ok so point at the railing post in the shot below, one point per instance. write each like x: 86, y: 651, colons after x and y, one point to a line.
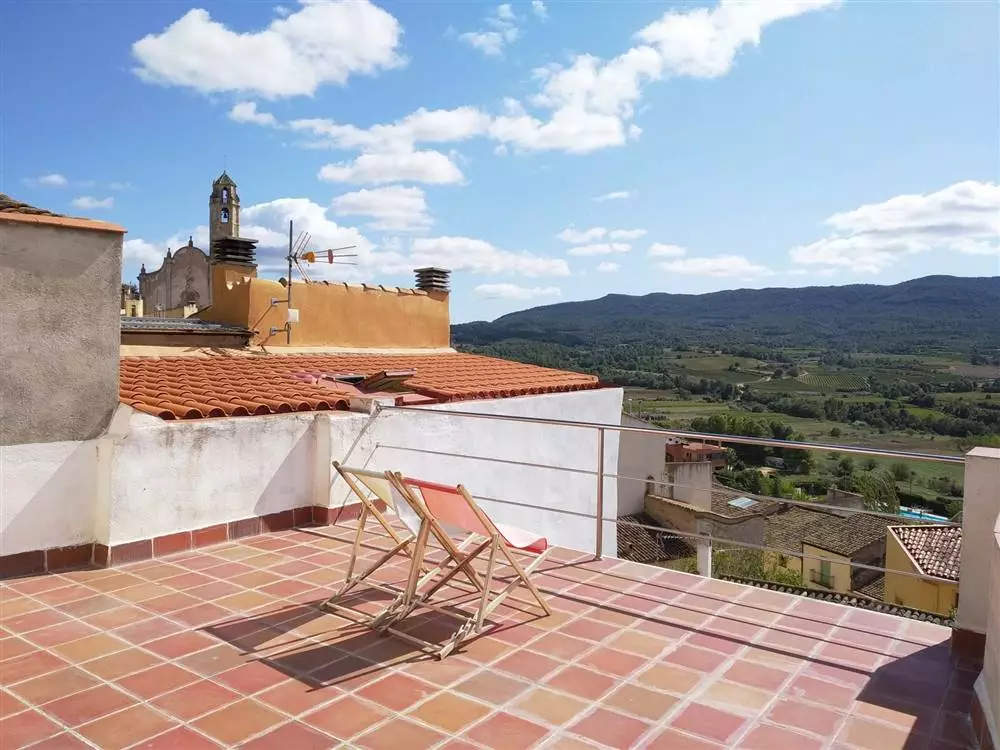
x: 599, y: 544
x: 704, y: 548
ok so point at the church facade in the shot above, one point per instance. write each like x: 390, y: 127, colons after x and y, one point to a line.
x: 183, y: 280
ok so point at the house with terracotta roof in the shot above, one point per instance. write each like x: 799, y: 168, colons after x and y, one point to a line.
x: 154, y: 443
x: 934, y: 551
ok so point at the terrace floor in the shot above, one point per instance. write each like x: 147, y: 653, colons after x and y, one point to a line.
x: 224, y: 647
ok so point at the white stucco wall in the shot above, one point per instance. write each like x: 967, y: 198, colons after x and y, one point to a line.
x: 162, y: 477
x: 179, y: 476
x: 48, y: 495
x: 980, y: 509
x: 452, y: 449
x: 641, y: 455
x: 988, y: 684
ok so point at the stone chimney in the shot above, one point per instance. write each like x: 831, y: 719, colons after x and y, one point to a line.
x: 433, y: 279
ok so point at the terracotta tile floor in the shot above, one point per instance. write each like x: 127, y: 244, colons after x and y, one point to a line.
x: 224, y: 647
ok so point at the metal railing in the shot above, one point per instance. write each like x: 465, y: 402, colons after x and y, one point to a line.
x: 700, y: 538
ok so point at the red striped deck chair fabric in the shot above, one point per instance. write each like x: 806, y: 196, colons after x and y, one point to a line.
x: 442, y: 507
x: 374, y: 489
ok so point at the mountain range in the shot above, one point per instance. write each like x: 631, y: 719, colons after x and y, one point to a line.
x: 933, y: 313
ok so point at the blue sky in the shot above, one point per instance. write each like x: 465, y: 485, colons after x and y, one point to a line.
x: 543, y: 151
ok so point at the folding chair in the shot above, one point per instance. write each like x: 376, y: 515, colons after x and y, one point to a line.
x: 372, y: 488
x: 439, y: 506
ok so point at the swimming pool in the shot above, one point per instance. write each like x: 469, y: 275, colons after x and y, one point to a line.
x: 919, y: 514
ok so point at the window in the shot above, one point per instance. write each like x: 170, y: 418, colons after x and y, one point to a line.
x: 225, y: 195
x: 224, y: 216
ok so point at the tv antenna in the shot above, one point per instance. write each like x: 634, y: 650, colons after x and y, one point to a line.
x: 299, y: 253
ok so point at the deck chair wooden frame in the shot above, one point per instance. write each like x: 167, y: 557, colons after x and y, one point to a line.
x: 360, y: 480
x: 421, y: 590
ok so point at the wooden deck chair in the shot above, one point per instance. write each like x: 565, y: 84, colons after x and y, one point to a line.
x: 372, y: 488
x: 441, y: 506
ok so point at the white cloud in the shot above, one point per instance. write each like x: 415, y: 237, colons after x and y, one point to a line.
x: 247, y: 112
x: 394, y: 208
x: 539, y: 9
x: 48, y: 180
x: 590, y: 101
x: 578, y: 236
x: 513, y: 291
x: 571, y: 234
x: 320, y: 43
x: 479, y: 256
x: 120, y: 185
x: 962, y: 218
x: 617, y: 195
x: 626, y: 234
x: 142, y: 252
x: 661, y: 250
x: 431, y: 167
x: 501, y: 30
x: 608, y: 267
x: 720, y: 266
x: 602, y: 248
x: 89, y: 203
x: 281, y: 10
x: 421, y: 126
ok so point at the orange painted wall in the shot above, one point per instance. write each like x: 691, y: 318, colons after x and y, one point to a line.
x: 230, y: 295
x: 335, y: 314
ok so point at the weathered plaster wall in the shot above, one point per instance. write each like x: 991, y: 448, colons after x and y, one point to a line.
x: 170, y: 476
x: 60, y: 296
x: 48, y: 495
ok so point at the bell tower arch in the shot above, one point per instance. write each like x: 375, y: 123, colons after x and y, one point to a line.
x: 223, y: 211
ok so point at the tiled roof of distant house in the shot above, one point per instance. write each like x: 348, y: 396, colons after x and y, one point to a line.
x: 841, y: 535
x: 846, y: 536
x: 17, y: 211
x: 198, y: 387
x: 10, y: 205
x: 937, y: 550
x: 179, y: 325
x: 722, y: 503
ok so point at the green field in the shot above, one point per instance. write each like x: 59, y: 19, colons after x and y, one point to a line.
x: 836, y: 381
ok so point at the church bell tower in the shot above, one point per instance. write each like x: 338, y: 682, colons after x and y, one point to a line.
x: 223, y: 211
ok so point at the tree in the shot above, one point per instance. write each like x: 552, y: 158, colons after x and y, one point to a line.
x: 870, y: 464
x: 835, y: 432
x: 900, y: 471
x: 879, y: 490
x: 845, y: 466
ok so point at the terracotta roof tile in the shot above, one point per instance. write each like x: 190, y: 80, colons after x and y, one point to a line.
x: 196, y: 387
x: 937, y: 550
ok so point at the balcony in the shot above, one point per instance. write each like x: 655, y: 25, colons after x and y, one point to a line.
x: 224, y: 646
x: 825, y: 580
x: 205, y: 629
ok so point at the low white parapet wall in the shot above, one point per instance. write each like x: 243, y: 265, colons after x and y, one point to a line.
x: 153, y: 484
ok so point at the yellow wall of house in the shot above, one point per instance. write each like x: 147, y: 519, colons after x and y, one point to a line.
x: 230, y: 295
x: 340, y: 315
x: 840, y: 569
x: 906, y: 591
x: 351, y: 316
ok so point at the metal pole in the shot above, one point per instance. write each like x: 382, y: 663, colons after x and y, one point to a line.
x: 599, y: 545
x: 288, y: 325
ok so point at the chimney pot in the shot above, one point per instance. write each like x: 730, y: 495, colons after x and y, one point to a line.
x: 432, y: 279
